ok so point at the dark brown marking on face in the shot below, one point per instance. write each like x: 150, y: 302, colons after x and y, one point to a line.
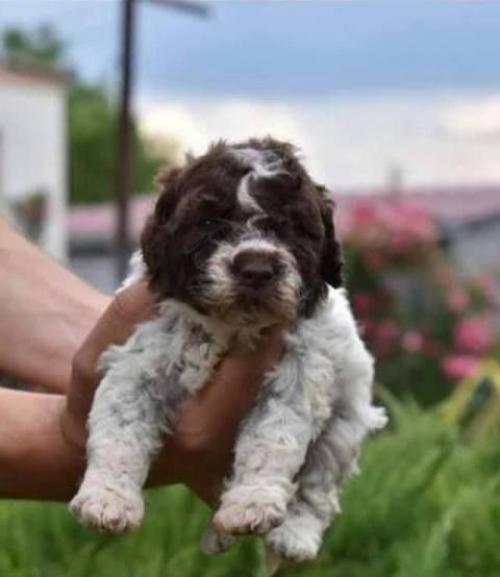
x: 198, y: 209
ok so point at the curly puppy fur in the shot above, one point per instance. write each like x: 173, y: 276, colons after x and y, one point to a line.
x: 241, y: 238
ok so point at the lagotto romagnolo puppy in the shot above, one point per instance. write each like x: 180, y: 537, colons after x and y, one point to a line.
x: 241, y: 238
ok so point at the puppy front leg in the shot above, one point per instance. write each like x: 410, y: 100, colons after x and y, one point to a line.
x: 270, y: 451
x: 125, y: 427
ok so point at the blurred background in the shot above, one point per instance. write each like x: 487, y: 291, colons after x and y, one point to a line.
x: 395, y: 106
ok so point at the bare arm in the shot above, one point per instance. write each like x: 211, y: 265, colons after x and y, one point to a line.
x: 46, y: 313
x: 36, y: 462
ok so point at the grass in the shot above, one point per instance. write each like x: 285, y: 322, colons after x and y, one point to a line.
x: 427, y: 504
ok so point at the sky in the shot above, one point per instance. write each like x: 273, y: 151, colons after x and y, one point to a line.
x: 360, y: 86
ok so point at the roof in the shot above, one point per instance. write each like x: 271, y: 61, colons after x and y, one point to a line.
x: 96, y: 222
x: 32, y: 74
x: 450, y: 205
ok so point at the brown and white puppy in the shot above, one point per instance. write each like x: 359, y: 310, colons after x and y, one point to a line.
x: 241, y: 238
x: 261, y: 230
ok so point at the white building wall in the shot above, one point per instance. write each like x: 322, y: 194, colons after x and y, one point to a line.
x: 33, y: 152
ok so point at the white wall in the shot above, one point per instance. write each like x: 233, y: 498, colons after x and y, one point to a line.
x: 33, y: 151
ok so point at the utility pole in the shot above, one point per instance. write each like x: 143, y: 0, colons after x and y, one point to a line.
x: 124, y: 152
x: 124, y: 157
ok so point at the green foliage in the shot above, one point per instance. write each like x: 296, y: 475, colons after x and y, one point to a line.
x: 427, y: 504
x: 41, y: 46
x: 93, y: 134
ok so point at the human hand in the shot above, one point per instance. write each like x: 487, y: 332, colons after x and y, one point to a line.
x: 200, y: 451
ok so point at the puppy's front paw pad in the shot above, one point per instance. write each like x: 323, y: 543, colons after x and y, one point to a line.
x: 249, y: 512
x: 108, y: 509
x: 292, y: 543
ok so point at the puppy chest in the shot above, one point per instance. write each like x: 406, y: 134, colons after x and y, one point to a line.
x: 169, y: 356
x: 197, y: 355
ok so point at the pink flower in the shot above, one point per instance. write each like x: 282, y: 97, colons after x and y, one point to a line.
x: 374, y: 259
x: 388, y: 330
x: 457, y: 367
x: 363, y: 302
x: 363, y: 213
x: 384, y: 229
x: 457, y: 299
x: 413, y: 341
x: 385, y: 337
x: 400, y: 242
x: 474, y: 335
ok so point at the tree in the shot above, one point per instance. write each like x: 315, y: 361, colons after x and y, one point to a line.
x: 93, y: 129
x: 41, y: 46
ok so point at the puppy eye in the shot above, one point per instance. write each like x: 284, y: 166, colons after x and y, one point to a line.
x: 307, y: 232
x: 212, y: 226
x: 269, y: 224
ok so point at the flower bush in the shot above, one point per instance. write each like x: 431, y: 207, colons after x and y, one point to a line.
x: 427, y: 326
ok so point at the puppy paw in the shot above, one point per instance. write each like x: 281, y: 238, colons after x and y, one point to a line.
x: 293, y: 543
x: 108, y: 508
x: 214, y: 542
x: 250, y: 510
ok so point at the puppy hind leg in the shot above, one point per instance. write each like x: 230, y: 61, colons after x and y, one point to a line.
x: 330, y: 459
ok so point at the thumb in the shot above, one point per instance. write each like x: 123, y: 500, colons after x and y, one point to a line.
x: 129, y: 307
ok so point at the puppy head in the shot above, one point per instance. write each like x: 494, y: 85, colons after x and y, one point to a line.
x: 242, y: 233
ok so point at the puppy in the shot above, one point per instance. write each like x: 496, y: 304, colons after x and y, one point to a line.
x: 241, y: 238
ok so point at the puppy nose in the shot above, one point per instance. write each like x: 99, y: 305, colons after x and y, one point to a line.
x: 255, y: 268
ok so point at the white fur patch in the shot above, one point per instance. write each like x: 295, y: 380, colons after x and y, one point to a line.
x: 262, y: 164
x: 136, y: 272
x: 245, y: 199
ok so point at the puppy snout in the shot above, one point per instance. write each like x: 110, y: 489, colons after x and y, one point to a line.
x: 255, y: 269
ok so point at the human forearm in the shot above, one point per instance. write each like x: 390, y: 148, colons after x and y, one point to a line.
x: 35, y: 460
x: 46, y: 312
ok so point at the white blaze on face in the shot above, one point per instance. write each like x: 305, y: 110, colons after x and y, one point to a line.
x: 262, y: 164
x: 245, y: 199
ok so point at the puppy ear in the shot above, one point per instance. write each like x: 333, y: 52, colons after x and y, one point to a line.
x: 331, y: 261
x: 154, y: 237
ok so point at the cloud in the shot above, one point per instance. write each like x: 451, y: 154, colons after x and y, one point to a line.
x: 349, y: 142
x: 478, y: 117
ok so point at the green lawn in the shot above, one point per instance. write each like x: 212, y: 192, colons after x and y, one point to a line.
x: 427, y: 504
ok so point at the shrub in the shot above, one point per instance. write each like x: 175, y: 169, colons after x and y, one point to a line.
x: 427, y: 326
